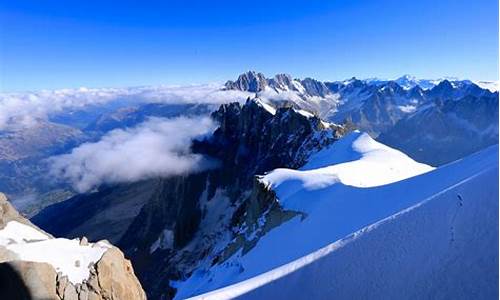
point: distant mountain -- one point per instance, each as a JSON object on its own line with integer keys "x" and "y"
{"x": 444, "y": 131}
{"x": 131, "y": 116}
{"x": 376, "y": 106}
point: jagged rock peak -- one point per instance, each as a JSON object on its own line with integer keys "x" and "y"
{"x": 68, "y": 270}
{"x": 262, "y": 129}
{"x": 250, "y": 81}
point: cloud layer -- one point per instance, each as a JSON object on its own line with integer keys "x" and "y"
{"x": 27, "y": 109}
{"x": 157, "y": 147}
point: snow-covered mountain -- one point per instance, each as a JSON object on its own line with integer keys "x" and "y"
{"x": 373, "y": 104}
{"x": 380, "y": 107}
{"x": 36, "y": 125}
{"x": 370, "y": 223}
{"x": 182, "y": 230}
{"x": 408, "y": 81}
{"x": 444, "y": 131}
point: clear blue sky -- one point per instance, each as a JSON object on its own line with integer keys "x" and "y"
{"x": 55, "y": 44}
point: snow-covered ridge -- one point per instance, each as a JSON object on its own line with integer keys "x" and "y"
{"x": 456, "y": 226}
{"x": 356, "y": 160}
{"x": 70, "y": 257}
{"x": 355, "y": 164}
{"x": 336, "y": 204}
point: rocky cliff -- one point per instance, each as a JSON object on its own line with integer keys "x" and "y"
{"x": 35, "y": 265}
{"x": 187, "y": 220}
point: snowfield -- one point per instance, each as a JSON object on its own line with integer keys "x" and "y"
{"x": 356, "y": 160}
{"x": 66, "y": 256}
{"x": 378, "y": 226}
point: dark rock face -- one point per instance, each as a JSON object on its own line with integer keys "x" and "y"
{"x": 174, "y": 206}
{"x": 315, "y": 87}
{"x": 249, "y": 141}
{"x": 166, "y": 239}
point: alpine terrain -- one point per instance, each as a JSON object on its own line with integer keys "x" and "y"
{"x": 300, "y": 182}
{"x": 243, "y": 188}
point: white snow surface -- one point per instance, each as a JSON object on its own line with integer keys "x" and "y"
{"x": 356, "y": 160}
{"x": 492, "y": 86}
{"x": 66, "y": 256}
{"x": 268, "y": 107}
{"x": 344, "y": 191}
{"x": 444, "y": 247}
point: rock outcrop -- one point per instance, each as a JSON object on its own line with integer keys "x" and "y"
{"x": 111, "y": 277}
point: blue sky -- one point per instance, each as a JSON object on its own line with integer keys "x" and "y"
{"x": 56, "y": 44}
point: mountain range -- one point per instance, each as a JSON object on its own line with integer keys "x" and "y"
{"x": 299, "y": 170}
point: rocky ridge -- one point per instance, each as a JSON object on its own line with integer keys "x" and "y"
{"x": 190, "y": 220}
{"x": 111, "y": 277}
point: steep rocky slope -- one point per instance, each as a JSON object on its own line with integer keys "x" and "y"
{"x": 35, "y": 265}
{"x": 184, "y": 220}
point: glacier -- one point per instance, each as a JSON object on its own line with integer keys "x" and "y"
{"x": 405, "y": 230}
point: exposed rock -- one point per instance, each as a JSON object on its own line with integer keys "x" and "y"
{"x": 110, "y": 278}
{"x": 84, "y": 241}
{"x": 70, "y": 293}
{"x": 39, "y": 278}
{"x": 250, "y": 81}
{"x": 9, "y": 213}
{"x": 62, "y": 283}
{"x": 116, "y": 277}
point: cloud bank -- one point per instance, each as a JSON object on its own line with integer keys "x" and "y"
{"x": 157, "y": 147}
{"x": 26, "y": 109}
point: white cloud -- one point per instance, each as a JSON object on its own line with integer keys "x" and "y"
{"x": 27, "y": 108}
{"x": 157, "y": 147}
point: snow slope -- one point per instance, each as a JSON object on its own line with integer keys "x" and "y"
{"x": 445, "y": 247}
{"x": 341, "y": 190}
{"x": 66, "y": 256}
{"x": 356, "y": 160}
{"x": 337, "y": 207}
